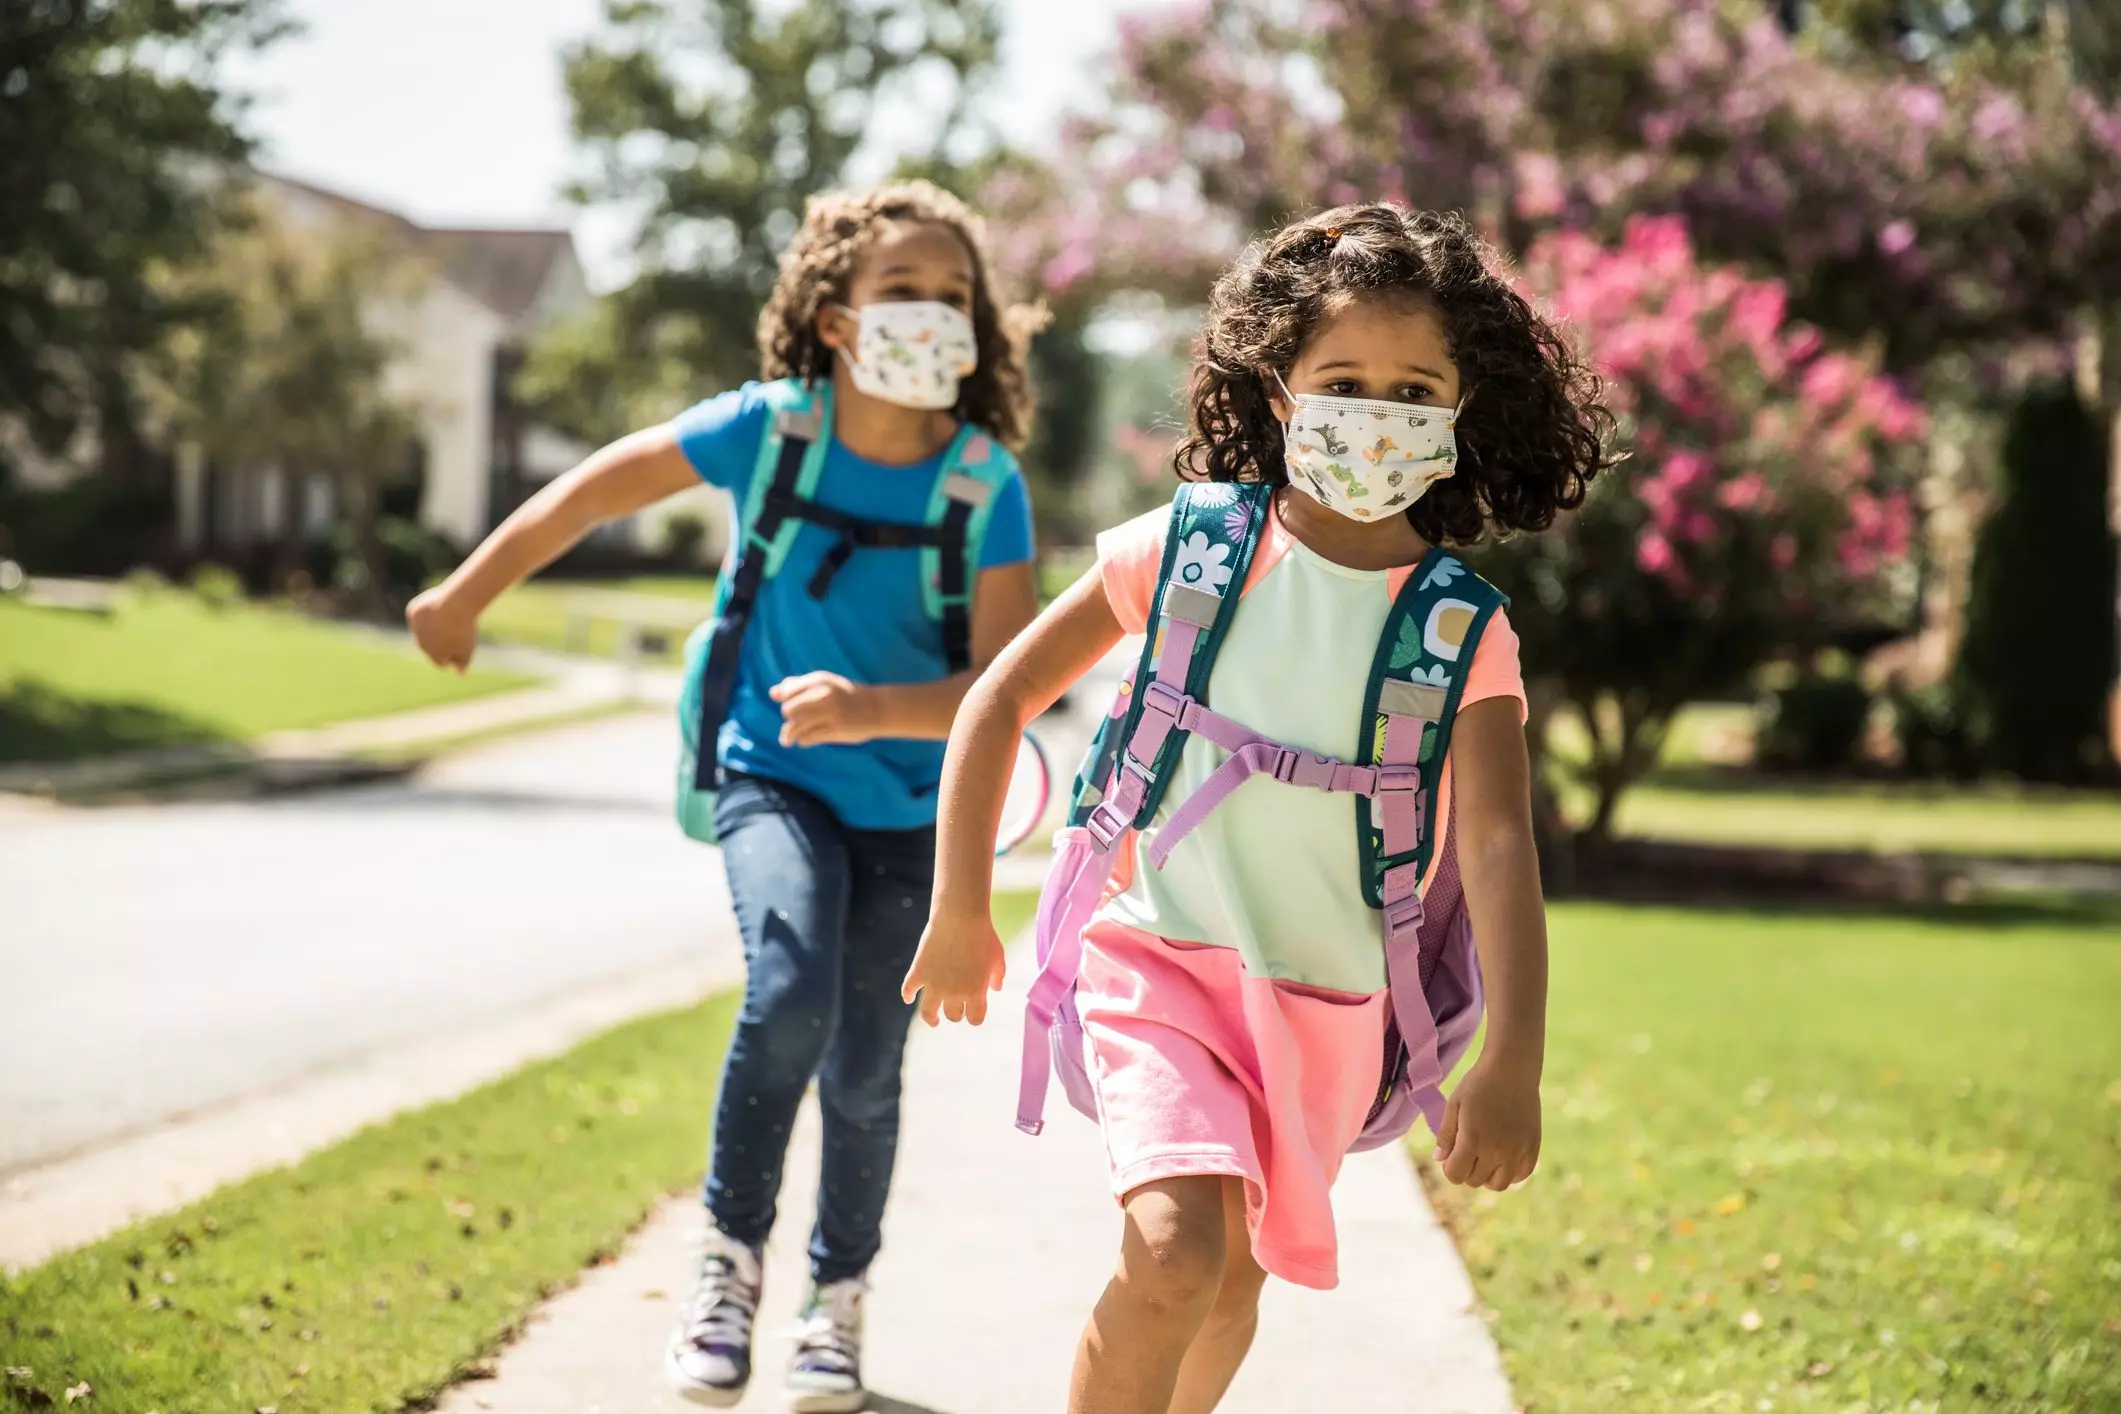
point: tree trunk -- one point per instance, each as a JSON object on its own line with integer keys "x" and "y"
{"x": 1551, "y": 835}
{"x": 1619, "y": 758}
{"x": 357, "y": 504}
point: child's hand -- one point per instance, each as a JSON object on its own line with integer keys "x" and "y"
{"x": 445, "y": 633}
{"x": 959, "y": 962}
{"x": 1490, "y": 1133}
{"x": 823, "y": 709}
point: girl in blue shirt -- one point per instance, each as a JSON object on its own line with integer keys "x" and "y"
{"x": 833, "y": 743}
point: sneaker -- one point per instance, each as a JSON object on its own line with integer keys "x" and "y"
{"x": 825, "y": 1375}
{"x": 710, "y": 1356}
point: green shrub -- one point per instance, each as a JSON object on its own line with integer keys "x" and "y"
{"x": 94, "y": 526}
{"x": 144, "y": 583}
{"x": 217, "y": 586}
{"x": 1931, "y": 731}
{"x": 414, "y": 557}
{"x": 683, "y": 537}
{"x": 1816, "y": 723}
{"x": 2037, "y": 661}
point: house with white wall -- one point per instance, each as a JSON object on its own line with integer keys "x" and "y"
{"x": 461, "y": 335}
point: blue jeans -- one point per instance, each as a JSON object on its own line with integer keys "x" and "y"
{"x": 830, "y": 918}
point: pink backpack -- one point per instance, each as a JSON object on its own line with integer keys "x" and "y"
{"x": 1415, "y": 682}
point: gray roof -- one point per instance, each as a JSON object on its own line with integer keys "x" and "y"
{"x": 504, "y": 269}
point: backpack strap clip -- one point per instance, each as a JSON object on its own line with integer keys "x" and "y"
{"x": 805, "y": 423}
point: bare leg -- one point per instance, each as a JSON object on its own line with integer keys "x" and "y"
{"x": 1212, "y": 1361}
{"x": 1170, "y": 1269}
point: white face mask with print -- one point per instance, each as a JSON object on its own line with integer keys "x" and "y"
{"x": 912, "y": 352}
{"x": 1366, "y": 459}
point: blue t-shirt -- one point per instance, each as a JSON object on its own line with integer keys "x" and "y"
{"x": 872, "y": 626}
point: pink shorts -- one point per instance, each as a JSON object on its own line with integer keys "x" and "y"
{"x": 1201, "y": 1068}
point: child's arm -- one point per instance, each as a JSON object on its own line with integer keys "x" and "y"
{"x": 1490, "y": 1133}
{"x": 631, "y": 473}
{"x": 960, "y": 958}
{"x": 818, "y": 709}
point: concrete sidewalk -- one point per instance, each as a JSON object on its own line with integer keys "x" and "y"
{"x": 997, "y": 1246}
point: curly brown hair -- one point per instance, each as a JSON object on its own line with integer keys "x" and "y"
{"x": 1532, "y": 432}
{"x": 838, "y": 229}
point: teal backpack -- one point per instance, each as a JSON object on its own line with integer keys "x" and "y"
{"x": 778, "y": 503}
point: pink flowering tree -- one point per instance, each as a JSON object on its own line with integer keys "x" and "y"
{"x": 1934, "y": 215}
{"x": 1764, "y": 507}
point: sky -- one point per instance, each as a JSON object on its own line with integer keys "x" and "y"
{"x": 451, "y": 111}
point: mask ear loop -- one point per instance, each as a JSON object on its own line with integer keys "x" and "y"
{"x": 842, "y": 351}
{"x": 1460, "y": 411}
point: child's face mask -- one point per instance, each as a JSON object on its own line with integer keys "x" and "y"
{"x": 912, "y": 352}
{"x": 1367, "y": 460}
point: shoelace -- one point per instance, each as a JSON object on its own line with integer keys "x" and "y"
{"x": 722, "y": 1307}
{"x": 827, "y": 1340}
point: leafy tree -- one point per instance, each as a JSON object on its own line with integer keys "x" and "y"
{"x": 716, "y": 119}
{"x": 1939, "y": 212}
{"x": 292, "y": 373}
{"x": 1764, "y": 510}
{"x": 112, "y": 113}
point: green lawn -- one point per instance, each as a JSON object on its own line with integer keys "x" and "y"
{"x": 667, "y": 586}
{"x": 1883, "y": 817}
{"x": 165, "y": 669}
{"x": 1820, "y": 1162}
{"x": 1689, "y": 798}
{"x": 372, "y": 1275}
{"x": 537, "y": 614}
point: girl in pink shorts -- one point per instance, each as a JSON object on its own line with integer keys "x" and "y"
{"x": 1231, "y": 986}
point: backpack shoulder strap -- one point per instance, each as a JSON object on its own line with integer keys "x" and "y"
{"x": 790, "y": 459}
{"x": 798, "y": 422}
{"x": 975, "y": 469}
{"x": 1416, "y": 680}
{"x": 1214, "y": 530}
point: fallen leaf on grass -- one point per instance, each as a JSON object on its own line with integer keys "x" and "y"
{"x": 1772, "y": 1262}
{"x": 1684, "y": 1227}
{"x": 79, "y": 1391}
{"x": 1730, "y": 1203}
{"x": 1819, "y": 1369}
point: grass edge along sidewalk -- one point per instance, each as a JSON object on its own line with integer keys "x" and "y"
{"x": 165, "y": 669}
{"x": 379, "y": 1271}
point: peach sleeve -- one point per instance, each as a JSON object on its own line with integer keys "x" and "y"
{"x": 1128, "y": 557}
{"x": 1495, "y": 671}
